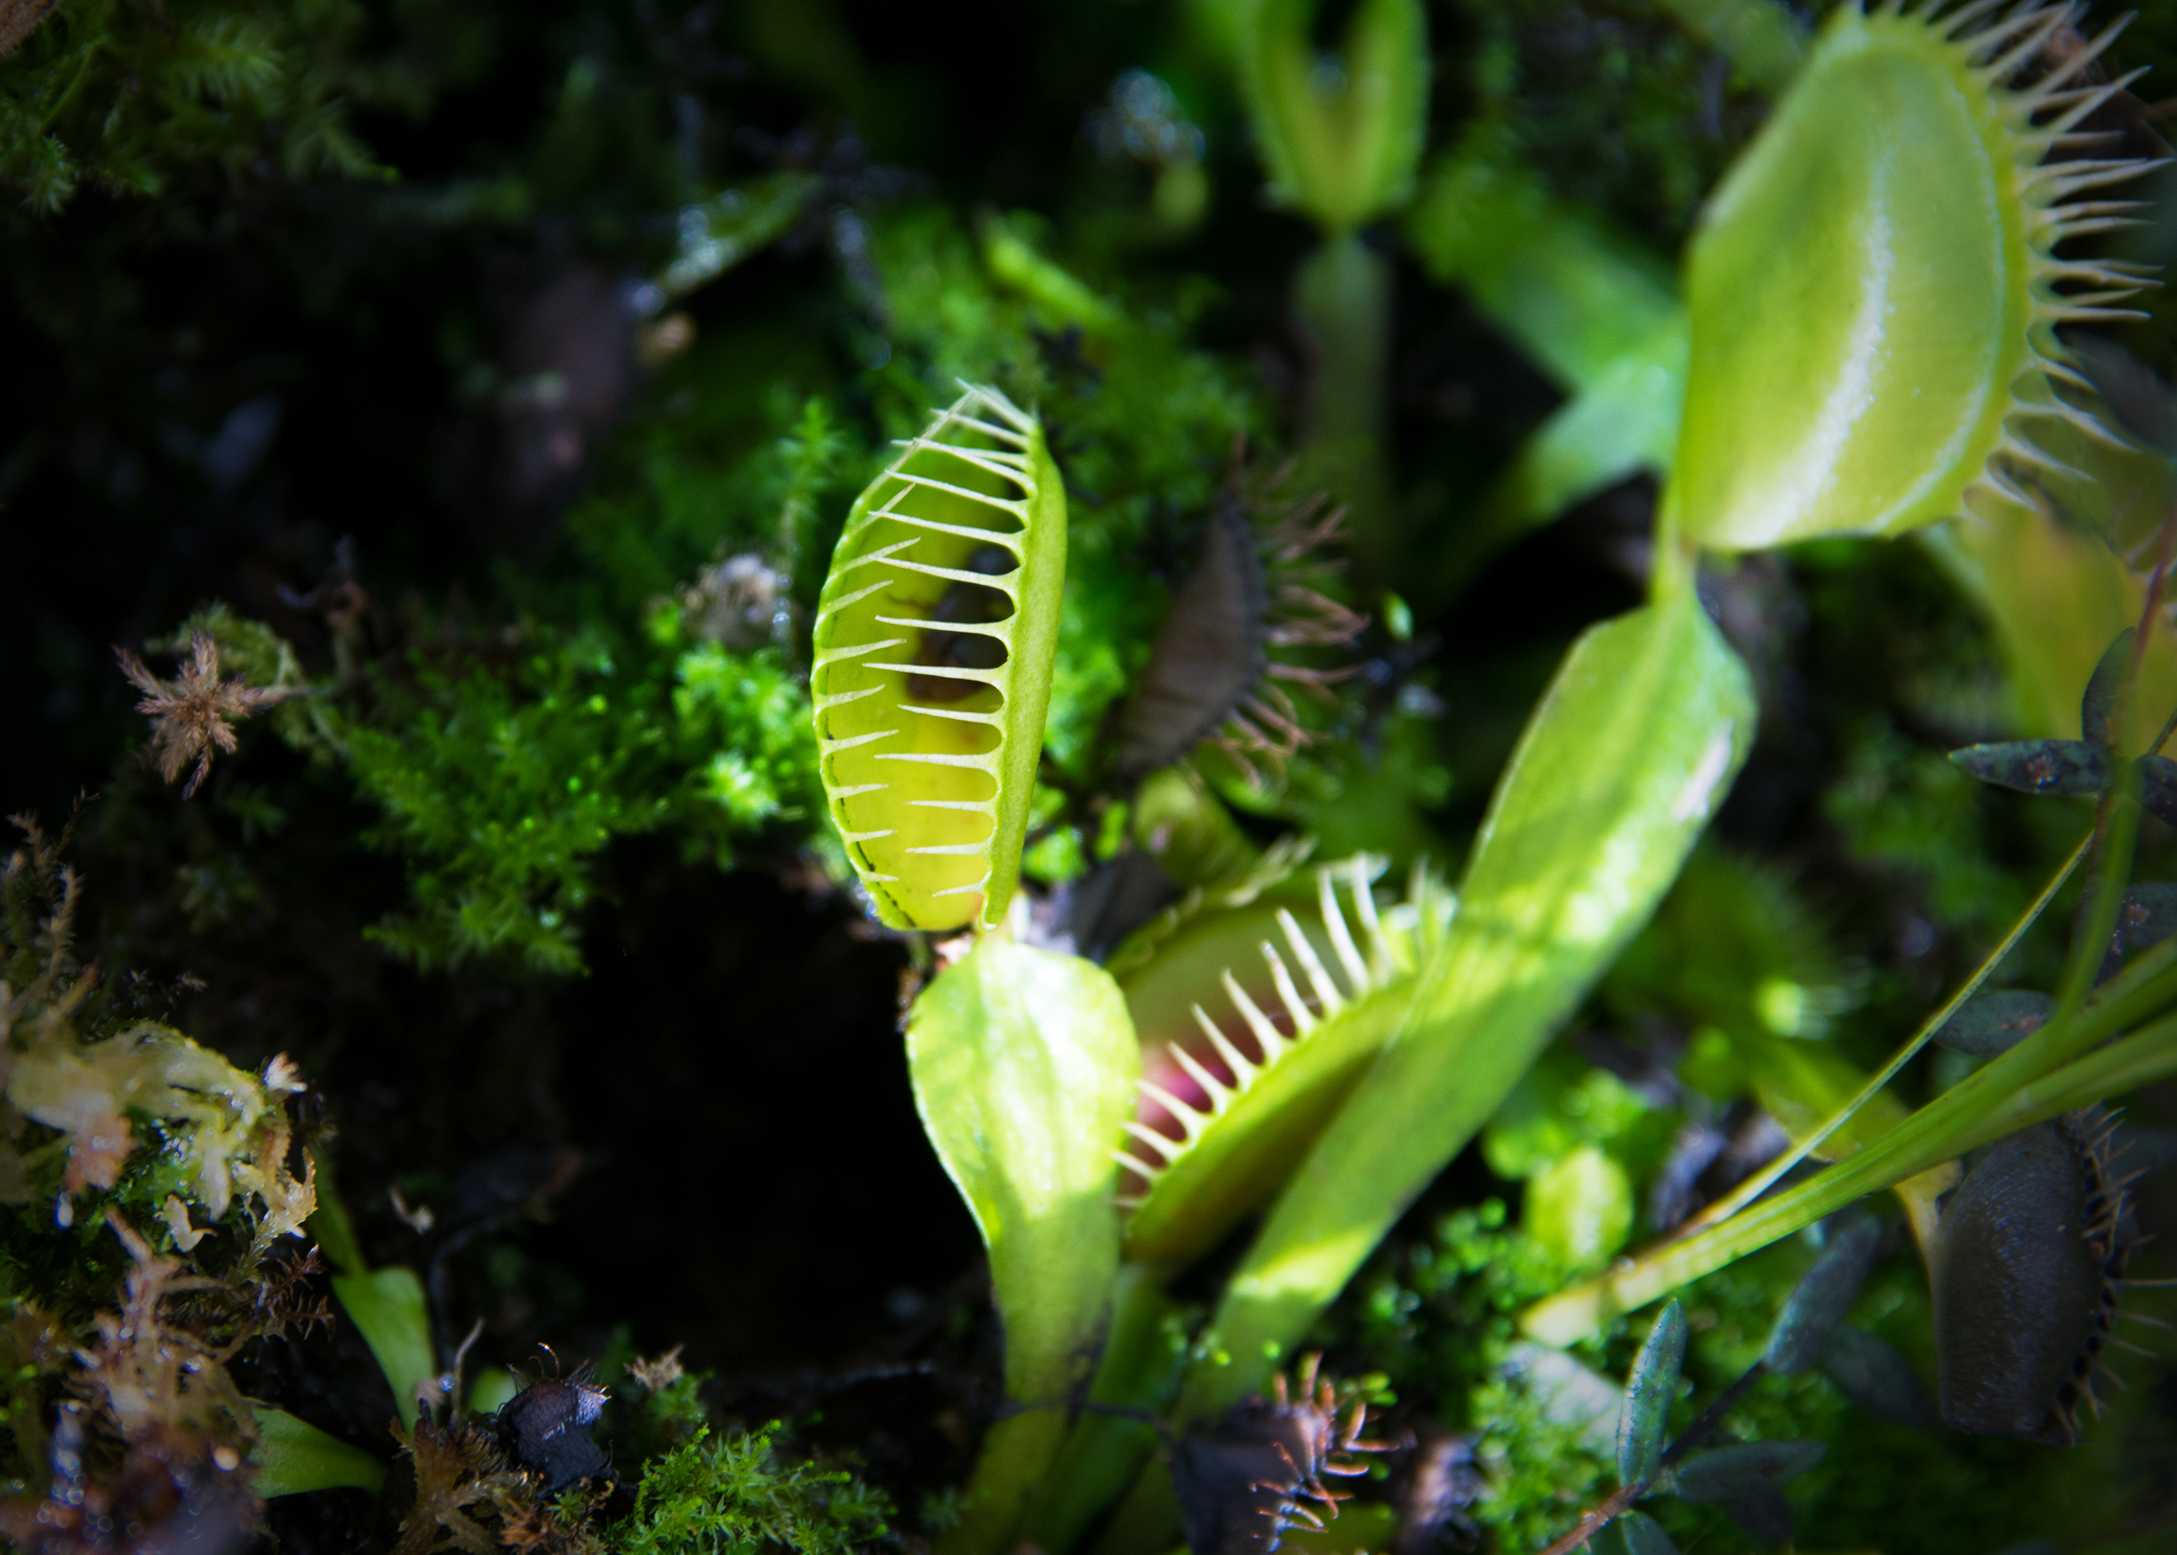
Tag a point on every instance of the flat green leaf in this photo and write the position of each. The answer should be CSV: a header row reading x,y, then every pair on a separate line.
x,y
1621,766
1725,1474
387,1307
293,1456
1024,1064
1817,1305
1649,1388
1636,1533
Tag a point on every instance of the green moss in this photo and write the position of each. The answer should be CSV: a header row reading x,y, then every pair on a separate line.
x,y
131,97
501,788
732,1495
1906,809
1737,946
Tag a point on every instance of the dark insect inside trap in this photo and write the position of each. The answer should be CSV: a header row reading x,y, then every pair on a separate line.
x,y
968,604
546,1428
1245,1480
1235,643
2028,1263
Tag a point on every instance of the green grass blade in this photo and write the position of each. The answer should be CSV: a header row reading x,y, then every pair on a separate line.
x,y
293,1457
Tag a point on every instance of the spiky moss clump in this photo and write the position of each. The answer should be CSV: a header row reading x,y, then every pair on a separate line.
x,y
932,663
122,1142
130,100
1437,1316
738,1491
1881,369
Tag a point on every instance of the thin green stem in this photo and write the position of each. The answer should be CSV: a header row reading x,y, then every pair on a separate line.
x,y
1758,1184
2118,832
1676,565
75,85
2013,1092
1138,1374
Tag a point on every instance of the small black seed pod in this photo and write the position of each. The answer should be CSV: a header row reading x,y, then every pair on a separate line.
x,y
546,1429
2026,1263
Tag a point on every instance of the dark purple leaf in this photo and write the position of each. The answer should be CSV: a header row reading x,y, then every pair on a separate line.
x,y
2070,767
1996,1020
1816,1309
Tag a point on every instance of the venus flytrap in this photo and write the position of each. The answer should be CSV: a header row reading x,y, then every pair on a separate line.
x,y
1632,747
1887,364
932,665
1619,769
931,674
1368,1057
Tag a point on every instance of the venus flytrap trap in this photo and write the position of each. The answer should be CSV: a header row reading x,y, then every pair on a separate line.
x,y
1888,365
932,663
1322,986
1619,769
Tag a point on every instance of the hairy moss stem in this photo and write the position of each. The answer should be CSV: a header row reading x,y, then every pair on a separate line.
x,y
75,85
